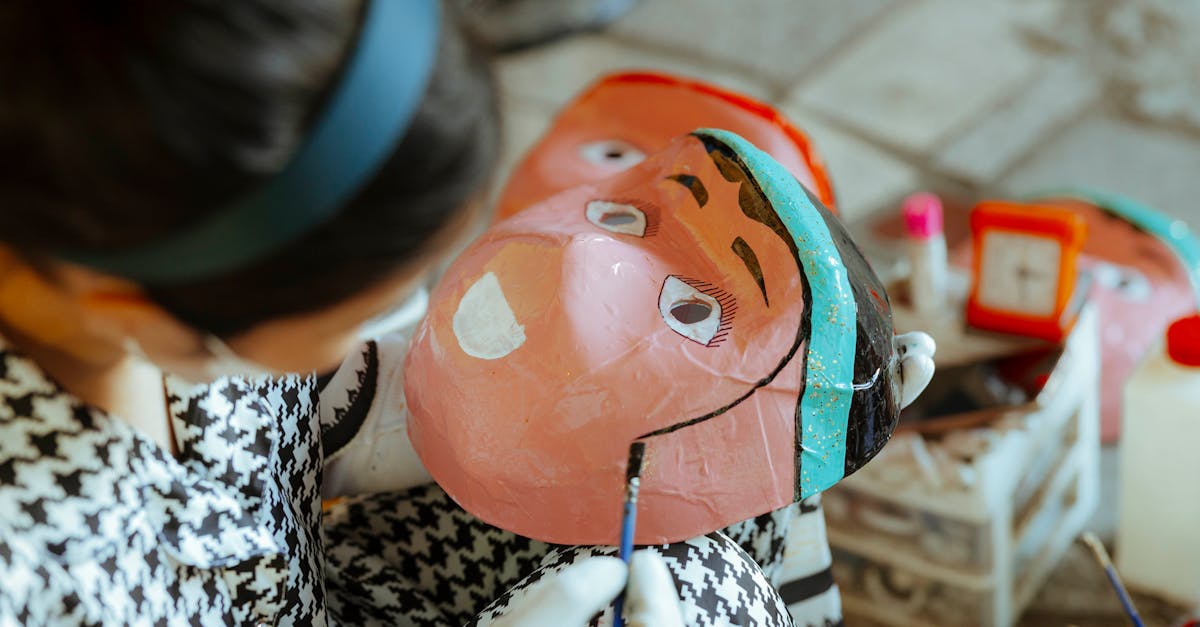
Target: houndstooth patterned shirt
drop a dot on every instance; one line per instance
(100, 525)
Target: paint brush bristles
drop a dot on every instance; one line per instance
(1101, 555)
(633, 479)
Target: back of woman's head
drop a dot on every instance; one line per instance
(122, 121)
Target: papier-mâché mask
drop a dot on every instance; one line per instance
(701, 301)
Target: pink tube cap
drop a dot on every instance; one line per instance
(922, 215)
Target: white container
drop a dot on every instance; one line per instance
(1158, 532)
(965, 527)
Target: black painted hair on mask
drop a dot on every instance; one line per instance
(874, 408)
(122, 120)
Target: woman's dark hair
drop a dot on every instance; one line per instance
(122, 120)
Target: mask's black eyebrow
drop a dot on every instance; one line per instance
(746, 254)
(694, 185)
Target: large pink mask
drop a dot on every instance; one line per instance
(623, 117)
(700, 301)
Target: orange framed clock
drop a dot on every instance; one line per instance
(1025, 268)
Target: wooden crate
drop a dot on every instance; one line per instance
(963, 528)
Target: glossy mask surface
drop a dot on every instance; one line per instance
(700, 296)
(625, 117)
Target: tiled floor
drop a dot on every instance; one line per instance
(989, 97)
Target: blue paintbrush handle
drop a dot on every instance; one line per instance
(629, 519)
(628, 526)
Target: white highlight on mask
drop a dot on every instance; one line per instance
(688, 311)
(484, 323)
(913, 365)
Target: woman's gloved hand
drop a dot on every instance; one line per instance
(572, 597)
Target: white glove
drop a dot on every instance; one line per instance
(573, 596)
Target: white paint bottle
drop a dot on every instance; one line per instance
(926, 247)
(1158, 529)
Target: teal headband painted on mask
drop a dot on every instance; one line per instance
(382, 85)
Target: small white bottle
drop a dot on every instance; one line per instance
(926, 247)
(1158, 529)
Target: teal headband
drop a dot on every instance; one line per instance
(829, 369)
(381, 87)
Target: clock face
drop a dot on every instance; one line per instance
(1019, 273)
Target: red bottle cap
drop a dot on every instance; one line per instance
(1183, 341)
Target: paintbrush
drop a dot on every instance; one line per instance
(1101, 554)
(633, 472)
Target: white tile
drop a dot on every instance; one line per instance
(1064, 88)
(555, 73)
(931, 67)
(1153, 165)
(775, 39)
(865, 179)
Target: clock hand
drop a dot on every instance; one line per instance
(1023, 275)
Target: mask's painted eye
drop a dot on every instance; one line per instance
(617, 217)
(700, 315)
(612, 153)
(1128, 282)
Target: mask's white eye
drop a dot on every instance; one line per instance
(1128, 282)
(690, 312)
(612, 153)
(617, 217)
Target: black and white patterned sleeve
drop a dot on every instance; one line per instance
(36, 592)
(719, 585)
(434, 564)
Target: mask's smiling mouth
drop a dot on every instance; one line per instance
(713, 414)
